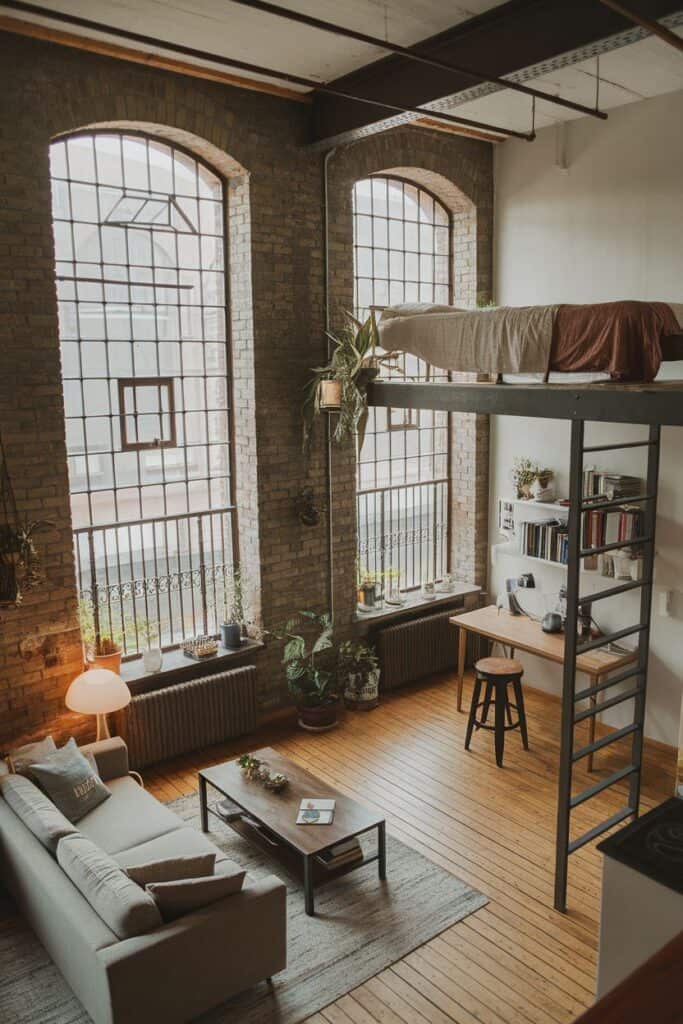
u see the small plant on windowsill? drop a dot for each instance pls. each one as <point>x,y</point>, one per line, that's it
<point>149,632</point>
<point>233,609</point>
<point>102,649</point>
<point>341,385</point>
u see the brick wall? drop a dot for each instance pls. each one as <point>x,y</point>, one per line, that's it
<point>275,230</point>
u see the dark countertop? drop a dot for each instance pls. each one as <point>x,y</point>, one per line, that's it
<point>653,844</point>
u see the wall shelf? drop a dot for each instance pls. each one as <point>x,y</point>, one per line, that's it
<point>510,551</point>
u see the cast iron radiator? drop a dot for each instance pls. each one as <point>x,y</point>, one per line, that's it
<point>186,716</point>
<point>421,647</point>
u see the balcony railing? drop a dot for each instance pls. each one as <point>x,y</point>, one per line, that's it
<point>404,529</point>
<point>169,573</point>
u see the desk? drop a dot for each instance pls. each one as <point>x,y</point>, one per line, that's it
<point>524,634</point>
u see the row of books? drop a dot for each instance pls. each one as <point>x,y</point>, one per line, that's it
<point>546,538</point>
<point>344,853</point>
<point>611,486</point>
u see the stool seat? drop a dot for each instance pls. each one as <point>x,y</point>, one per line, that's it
<point>507,667</point>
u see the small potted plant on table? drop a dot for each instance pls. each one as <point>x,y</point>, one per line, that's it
<point>311,679</point>
<point>233,611</point>
<point>358,668</point>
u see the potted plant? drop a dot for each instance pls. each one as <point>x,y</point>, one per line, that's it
<point>311,680</point>
<point>20,569</point>
<point>102,646</point>
<point>369,589</point>
<point>233,611</point>
<point>342,383</point>
<point>358,669</point>
<point>523,475</point>
<point>152,655</point>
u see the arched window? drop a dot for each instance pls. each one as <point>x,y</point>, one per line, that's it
<point>139,229</point>
<point>402,254</point>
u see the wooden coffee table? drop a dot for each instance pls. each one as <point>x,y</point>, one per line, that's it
<point>273,826</point>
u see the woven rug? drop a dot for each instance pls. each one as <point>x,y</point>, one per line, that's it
<point>360,928</point>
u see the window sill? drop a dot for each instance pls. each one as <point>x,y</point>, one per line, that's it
<point>414,603</point>
<point>177,668</point>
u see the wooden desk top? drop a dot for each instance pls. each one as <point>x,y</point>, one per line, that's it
<point>525,634</point>
<point>278,811</point>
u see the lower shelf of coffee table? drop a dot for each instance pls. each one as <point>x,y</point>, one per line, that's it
<point>272,845</point>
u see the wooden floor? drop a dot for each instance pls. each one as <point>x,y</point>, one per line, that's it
<point>516,960</point>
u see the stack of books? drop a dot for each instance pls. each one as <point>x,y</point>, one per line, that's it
<point>610,486</point>
<point>344,853</point>
<point>610,526</point>
<point>545,538</point>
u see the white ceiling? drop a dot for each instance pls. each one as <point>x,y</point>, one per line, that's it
<point>629,71</point>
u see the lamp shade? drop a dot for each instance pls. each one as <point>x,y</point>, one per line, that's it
<point>96,692</point>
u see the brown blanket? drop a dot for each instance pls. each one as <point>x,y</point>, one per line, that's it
<point>623,339</point>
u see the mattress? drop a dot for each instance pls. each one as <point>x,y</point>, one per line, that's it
<point>624,340</point>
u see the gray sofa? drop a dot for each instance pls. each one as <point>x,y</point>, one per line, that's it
<point>173,973</point>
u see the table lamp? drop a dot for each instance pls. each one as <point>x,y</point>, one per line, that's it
<point>97,692</point>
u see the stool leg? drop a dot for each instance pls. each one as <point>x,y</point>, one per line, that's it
<point>519,698</point>
<point>508,709</point>
<point>488,697</point>
<point>473,712</point>
<point>499,720</point>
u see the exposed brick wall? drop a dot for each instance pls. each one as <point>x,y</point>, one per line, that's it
<point>277,317</point>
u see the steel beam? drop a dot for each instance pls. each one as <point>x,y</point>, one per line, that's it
<point>649,24</point>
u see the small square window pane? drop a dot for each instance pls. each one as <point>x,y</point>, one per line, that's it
<point>194,397</point>
<point>412,266</point>
<point>381,232</point>
<point>411,236</point>
<point>381,293</point>
<point>396,239</point>
<point>152,501</point>
<point>410,203</point>
<point>63,241</point>
<point>381,263</point>
<point>197,463</point>
<point>81,154</point>
<point>363,230</point>
<point>114,245</point>
<point>103,507</point>
<point>217,393</point>
<point>128,501</point>
<point>96,395</point>
<point>396,265</point>
<point>218,425</point>
<point>94,358</point>
<point>176,498</point>
<point>426,208</point>
<point>396,292</point>
<point>220,492</point>
<point>198,495</point>
<point>160,167</point>
<point>363,262</point>
<point>362,195</point>
<point>58,160</point>
<point>216,358</point>
<point>427,267</point>
<point>188,251</point>
<point>379,197</point>
<point>61,205</point>
<point>126,467</point>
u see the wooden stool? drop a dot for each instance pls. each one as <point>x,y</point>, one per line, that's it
<point>497,673</point>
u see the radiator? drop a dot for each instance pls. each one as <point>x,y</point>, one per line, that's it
<point>186,716</point>
<point>422,647</point>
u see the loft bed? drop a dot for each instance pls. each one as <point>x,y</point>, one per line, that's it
<point>653,404</point>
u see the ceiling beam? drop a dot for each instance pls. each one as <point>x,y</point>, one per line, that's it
<point>649,24</point>
<point>385,105</point>
<point>506,39</point>
<point>411,53</point>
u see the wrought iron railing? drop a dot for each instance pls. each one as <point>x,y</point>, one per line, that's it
<point>404,529</point>
<point>168,573</point>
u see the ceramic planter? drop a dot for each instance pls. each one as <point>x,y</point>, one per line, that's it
<point>110,661</point>
<point>362,690</point>
<point>330,394</point>
<point>231,635</point>
<point>319,718</point>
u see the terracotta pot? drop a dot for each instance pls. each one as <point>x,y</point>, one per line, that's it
<point>330,394</point>
<point>320,718</point>
<point>110,661</point>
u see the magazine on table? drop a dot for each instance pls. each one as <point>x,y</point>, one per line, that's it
<point>315,812</point>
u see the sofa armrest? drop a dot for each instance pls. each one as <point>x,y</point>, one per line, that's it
<point>187,966</point>
<point>111,756</point>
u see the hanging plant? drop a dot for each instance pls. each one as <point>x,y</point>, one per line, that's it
<point>20,568</point>
<point>341,385</point>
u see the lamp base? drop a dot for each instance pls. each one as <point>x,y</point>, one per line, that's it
<point>102,728</point>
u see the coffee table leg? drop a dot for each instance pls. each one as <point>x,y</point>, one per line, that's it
<point>203,804</point>
<point>382,850</point>
<point>308,886</point>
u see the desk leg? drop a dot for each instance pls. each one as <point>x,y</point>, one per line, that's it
<point>595,681</point>
<point>462,652</point>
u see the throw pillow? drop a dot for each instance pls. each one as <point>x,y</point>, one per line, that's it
<point>69,780</point>
<point>177,898</point>
<point>126,908</point>
<point>173,869</point>
<point>35,810</point>
<point>20,759</point>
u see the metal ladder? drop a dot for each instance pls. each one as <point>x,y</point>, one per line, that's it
<point>574,648</point>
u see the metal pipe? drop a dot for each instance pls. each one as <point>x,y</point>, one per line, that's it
<point>411,53</point>
<point>328,428</point>
<point>257,69</point>
<point>655,27</point>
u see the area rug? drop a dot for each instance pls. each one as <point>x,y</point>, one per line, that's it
<point>361,927</point>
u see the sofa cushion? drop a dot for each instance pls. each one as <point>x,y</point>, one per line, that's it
<point>172,869</point>
<point>182,897</point>
<point>130,817</point>
<point>181,842</point>
<point>71,781</point>
<point>19,759</point>
<point>126,908</point>
<point>39,814</point>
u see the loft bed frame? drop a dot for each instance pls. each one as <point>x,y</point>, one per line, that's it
<point>653,405</point>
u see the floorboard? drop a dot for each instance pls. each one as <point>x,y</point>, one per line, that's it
<point>517,961</point>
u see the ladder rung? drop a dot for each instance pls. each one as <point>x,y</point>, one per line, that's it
<point>597,830</point>
<point>593,691</point>
<point>617,447</point>
<point>632,542</point>
<point>598,787</point>
<point>609,638</point>
<point>611,703</point>
<point>623,588</point>
<point>611,737</point>
<point>589,506</point>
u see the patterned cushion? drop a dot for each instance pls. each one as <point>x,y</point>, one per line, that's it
<point>70,781</point>
<point>35,810</point>
<point>126,908</point>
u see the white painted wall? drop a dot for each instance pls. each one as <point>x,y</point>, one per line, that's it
<point>609,227</point>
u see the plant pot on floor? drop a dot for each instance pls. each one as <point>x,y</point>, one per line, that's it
<point>231,635</point>
<point>362,691</point>
<point>318,718</point>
